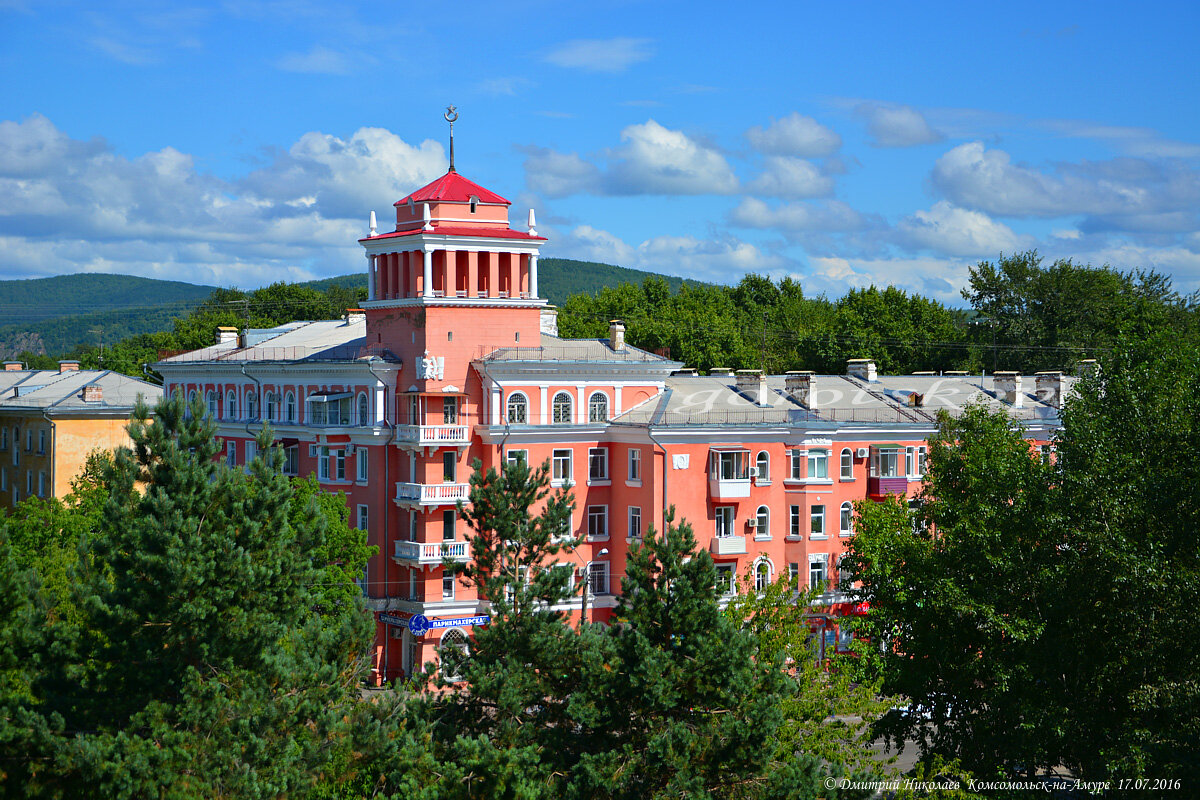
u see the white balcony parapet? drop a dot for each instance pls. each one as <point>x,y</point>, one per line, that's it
<point>432,494</point>
<point>729,488</point>
<point>728,545</point>
<point>432,552</point>
<point>433,434</point>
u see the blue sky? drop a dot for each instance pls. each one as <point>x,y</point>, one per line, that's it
<point>841,144</point>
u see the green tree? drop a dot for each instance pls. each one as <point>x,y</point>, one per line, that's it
<point>344,552</point>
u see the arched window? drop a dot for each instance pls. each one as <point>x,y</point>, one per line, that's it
<point>762,575</point>
<point>763,464</point>
<point>231,405</point>
<point>289,408</point>
<point>762,523</point>
<point>562,409</point>
<point>847,465</point>
<point>453,650</point>
<point>191,401</point>
<point>846,519</point>
<point>269,406</point>
<point>251,405</point>
<point>598,407</point>
<point>518,409</point>
<point>364,410</point>
<point>210,400</point>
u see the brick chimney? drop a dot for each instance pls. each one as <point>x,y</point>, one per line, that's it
<point>227,335</point>
<point>753,384</point>
<point>1008,387</point>
<point>862,368</point>
<point>68,366</point>
<point>616,335</point>
<point>1049,388</point>
<point>13,366</point>
<point>549,320</point>
<point>801,386</point>
<point>93,393</point>
<point>720,372</point>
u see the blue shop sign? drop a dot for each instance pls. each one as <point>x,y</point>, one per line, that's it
<point>419,624</point>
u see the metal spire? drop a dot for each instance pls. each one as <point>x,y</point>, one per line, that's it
<point>451,115</point>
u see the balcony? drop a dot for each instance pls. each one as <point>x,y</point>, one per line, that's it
<point>729,488</point>
<point>728,545</point>
<point>878,487</point>
<point>431,494</point>
<point>432,552</point>
<point>433,435</point>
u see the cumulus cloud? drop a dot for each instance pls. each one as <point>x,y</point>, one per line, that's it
<point>791,177</point>
<point>795,135</point>
<point>68,205</point>
<point>932,277</point>
<point>892,125</point>
<point>651,159</point>
<point>601,55</point>
<point>828,217</point>
<point>1128,190</point>
<point>955,231</point>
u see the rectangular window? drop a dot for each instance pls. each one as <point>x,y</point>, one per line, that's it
<point>28,482</point>
<point>794,574</point>
<point>448,517</point>
<point>3,480</point>
<point>635,522</point>
<point>291,460</point>
<point>844,577</point>
<point>635,464</point>
<point>598,464</point>
<point>846,520</point>
<point>449,466</point>
<point>41,443</point>
<point>3,438</point>
<point>818,463</point>
<point>28,440</point>
<point>726,579</point>
<point>360,468</point>
<point>794,522</point>
<point>597,522</point>
<point>816,569</point>
<point>514,457</point>
<point>231,454</point>
<point>449,410</point>
<point>413,521</point>
<point>910,461</point>
<point>414,409</point>
<point>598,577</point>
<point>323,464</point>
<point>796,457</point>
<point>41,484</point>
<point>724,521</point>
<point>251,451</point>
<point>885,462</point>
<point>362,517</point>
<point>731,466</point>
<point>561,466</point>
<point>847,465</point>
<point>448,587</point>
<point>921,459</point>
<point>339,465</point>
<point>818,522</point>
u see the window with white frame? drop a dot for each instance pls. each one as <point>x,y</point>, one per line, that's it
<point>360,467</point>
<point>635,522</point>
<point>818,464</point>
<point>289,408</point>
<point>448,586</point>
<point>796,457</point>
<point>339,465</point>
<point>817,519</point>
<point>724,516</point>
<point>794,574</point>
<point>560,466</point>
<point>251,452</point>
<point>210,402</point>
<point>598,464</point>
<point>518,409</point>
<point>598,577</point>
<point>28,482</point>
<point>763,464</point>
<point>847,465</point>
<point>597,522</point>
<point>794,522</point>
<point>922,458</point>
<point>844,577</point>
<point>561,409</point>
<point>329,410</point>
<point>635,463</point>
<point>251,405</point>
<point>414,521</point>
<point>846,519</point>
<point>598,407</point>
<point>730,465</point>
<point>449,410</point>
<point>762,523</point>
<point>885,462</point>
<point>323,463</point>
<point>514,457</point>
<point>363,517</point>
<point>364,409</point>
<point>726,579</point>
<point>41,484</point>
<point>910,461</point>
<point>269,406</point>
<point>231,453</point>
<point>818,569</point>
<point>291,460</point>
<point>414,410</point>
<point>231,405</point>
<point>449,517</point>
<point>41,443</point>
<point>28,440</point>
<point>762,576</point>
<point>449,466</point>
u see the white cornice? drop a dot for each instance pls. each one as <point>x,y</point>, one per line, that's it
<point>470,302</point>
<point>442,241</point>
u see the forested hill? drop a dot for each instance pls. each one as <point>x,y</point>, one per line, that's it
<point>558,279</point>
<point>28,301</point>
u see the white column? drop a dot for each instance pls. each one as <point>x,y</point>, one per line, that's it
<point>370,277</point>
<point>533,287</point>
<point>427,287</point>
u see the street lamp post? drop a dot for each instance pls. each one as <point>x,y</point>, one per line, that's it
<point>587,580</point>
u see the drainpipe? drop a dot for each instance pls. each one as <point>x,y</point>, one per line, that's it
<point>387,459</point>
<point>258,404</point>
<point>650,434</point>
<point>53,453</point>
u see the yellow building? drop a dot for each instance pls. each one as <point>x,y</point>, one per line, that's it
<point>50,421</point>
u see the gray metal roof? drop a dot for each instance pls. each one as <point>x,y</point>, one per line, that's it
<point>323,340</point>
<point>62,392</point>
<point>555,349</point>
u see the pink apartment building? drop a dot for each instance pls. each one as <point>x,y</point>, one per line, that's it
<point>455,357</point>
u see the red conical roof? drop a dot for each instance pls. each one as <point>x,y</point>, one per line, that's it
<point>453,188</point>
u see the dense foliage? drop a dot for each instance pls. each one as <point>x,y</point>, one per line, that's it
<point>1043,614</point>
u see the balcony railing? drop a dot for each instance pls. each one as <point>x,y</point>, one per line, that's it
<point>432,552</point>
<point>878,487</point>
<point>434,434</point>
<point>729,489</point>
<point>728,545</point>
<point>432,494</point>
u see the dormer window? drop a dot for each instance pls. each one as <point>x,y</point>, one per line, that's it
<point>410,205</point>
<point>474,203</point>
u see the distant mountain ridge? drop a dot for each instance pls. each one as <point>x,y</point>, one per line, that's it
<point>55,315</point>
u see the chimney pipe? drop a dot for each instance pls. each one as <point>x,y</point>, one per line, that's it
<point>1008,388</point>
<point>616,335</point>
<point>13,366</point>
<point>549,320</point>
<point>227,335</point>
<point>93,393</point>
<point>753,384</point>
<point>801,386</point>
<point>862,368</point>
<point>1049,388</point>
<point>68,366</point>
<point>355,315</point>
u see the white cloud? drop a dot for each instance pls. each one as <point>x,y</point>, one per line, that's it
<point>317,61</point>
<point>791,177</point>
<point>557,174</point>
<point>795,135</point>
<point>601,55</point>
<point>954,231</point>
<point>892,125</point>
<point>832,216</point>
<point>939,279</point>
<point>504,86</point>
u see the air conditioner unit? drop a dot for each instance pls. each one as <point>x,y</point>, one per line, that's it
<point>752,523</point>
<point>754,472</point>
<point>863,452</point>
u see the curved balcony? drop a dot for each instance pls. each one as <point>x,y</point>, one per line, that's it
<point>432,552</point>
